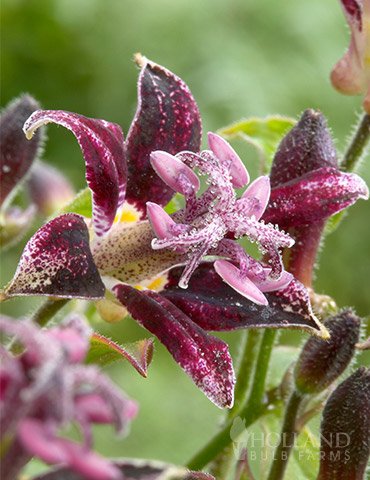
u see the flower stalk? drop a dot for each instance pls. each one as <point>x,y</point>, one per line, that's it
<point>358,145</point>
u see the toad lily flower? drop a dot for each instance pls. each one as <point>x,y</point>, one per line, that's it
<point>351,75</point>
<point>46,388</point>
<point>194,247</point>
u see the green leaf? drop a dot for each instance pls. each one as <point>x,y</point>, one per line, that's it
<point>333,222</point>
<point>175,204</point>
<point>307,453</point>
<point>81,204</point>
<point>263,133</point>
<point>105,351</point>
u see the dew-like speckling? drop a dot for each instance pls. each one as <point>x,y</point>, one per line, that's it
<point>167,118</point>
<point>126,254</point>
<point>57,261</point>
<point>103,149</point>
<point>209,221</point>
<point>215,306</point>
<point>203,357</point>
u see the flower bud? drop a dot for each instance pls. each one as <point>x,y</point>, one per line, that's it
<point>321,362</point>
<point>16,152</point>
<point>48,188</point>
<point>14,224</point>
<point>345,430</point>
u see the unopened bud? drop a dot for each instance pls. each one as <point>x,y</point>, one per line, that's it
<point>14,223</point>
<point>345,430</point>
<point>16,152</point>
<point>321,362</point>
<point>49,189</point>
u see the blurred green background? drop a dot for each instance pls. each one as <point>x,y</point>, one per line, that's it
<point>240,58</point>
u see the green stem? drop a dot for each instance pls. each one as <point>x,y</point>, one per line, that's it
<point>287,438</point>
<point>224,461</point>
<point>252,410</point>
<point>245,370</point>
<point>47,310</point>
<point>357,145</point>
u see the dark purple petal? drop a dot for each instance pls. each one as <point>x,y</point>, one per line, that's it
<point>345,437</point>
<point>167,118</point>
<point>215,306</point>
<point>103,149</point>
<point>104,351</point>
<point>307,147</point>
<point>204,358</point>
<point>353,11</point>
<point>313,197</point>
<point>57,261</point>
<point>16,153</point>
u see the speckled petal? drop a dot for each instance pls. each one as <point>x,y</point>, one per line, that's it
<point>16,153</point>
<point>215,306</point>
<point>227,155</point>
<point>167,119</point>
<point>103,148</point>
<point>57,262</point>
<point>307,147</point>
<point>204,358</point>
<point>313,197</point>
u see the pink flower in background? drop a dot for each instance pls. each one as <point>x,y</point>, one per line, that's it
<point>46,388</point>
<point>351,75</point>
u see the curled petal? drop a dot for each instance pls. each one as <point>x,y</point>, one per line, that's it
<point>103,148</point>
<point>231,275</point>
<point>16,153</point>
<point>227,155</point>
<point>174,172</point>
<point>204,358</point>
<point>274,285</point>
<point>259,194</point>
<point>57,261</point>
<point>215,306</point>
<point>314,196</point>
<point>167,118</point>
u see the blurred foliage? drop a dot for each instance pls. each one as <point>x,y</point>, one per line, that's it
<point>241,58</point>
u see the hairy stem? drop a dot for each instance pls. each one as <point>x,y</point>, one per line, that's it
<point>250,412</point>
<point>47,310</point>
<point>358,145</point>
<point>287,438</point>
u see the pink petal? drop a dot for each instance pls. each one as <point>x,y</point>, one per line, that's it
<point>204,358</point>
<point>274,285</point>
<point>167,118</point>
<point>103,148</point>
<point>57,261</point>
<point>258,190</point>
<point>174,172</point>
<point>224,152</point>
<point>231,275</point>
<point>162,224</point>
<point>16,153</point>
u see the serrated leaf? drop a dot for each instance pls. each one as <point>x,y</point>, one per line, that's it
<point>105,351</point>
<point>263,133</point>
<point>81,204</point>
